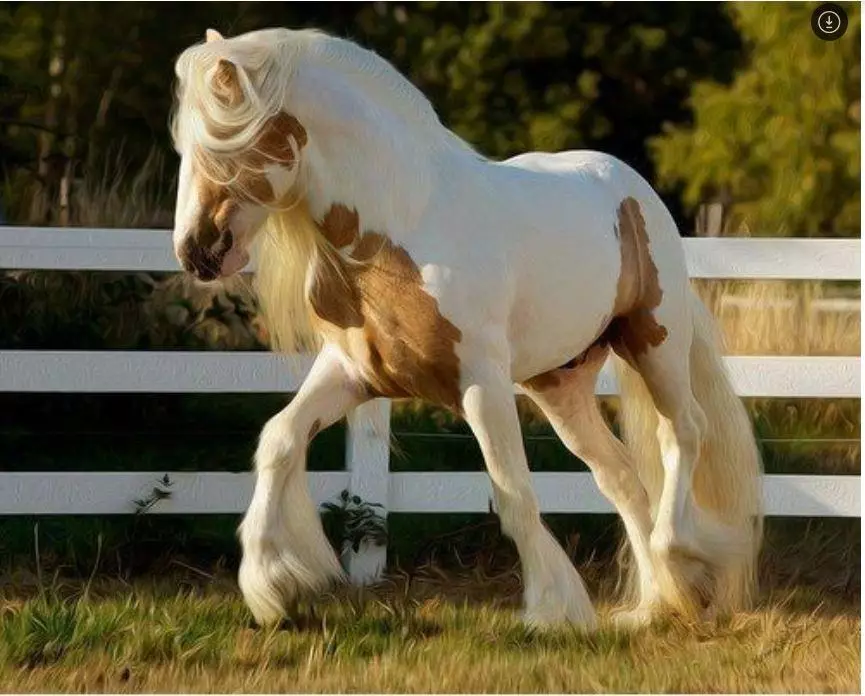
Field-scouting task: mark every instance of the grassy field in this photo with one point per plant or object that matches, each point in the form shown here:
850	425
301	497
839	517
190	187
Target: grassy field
444	632
451	624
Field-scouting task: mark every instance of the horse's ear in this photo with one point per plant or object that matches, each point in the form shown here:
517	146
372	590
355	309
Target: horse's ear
226	83
212	35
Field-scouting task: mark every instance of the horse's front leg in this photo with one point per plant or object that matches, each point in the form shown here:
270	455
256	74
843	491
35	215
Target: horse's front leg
554	591
285	550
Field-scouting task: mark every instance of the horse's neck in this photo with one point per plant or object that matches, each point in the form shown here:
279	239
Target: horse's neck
365	158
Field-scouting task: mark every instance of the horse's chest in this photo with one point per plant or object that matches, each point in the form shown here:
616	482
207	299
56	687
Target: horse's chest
386	323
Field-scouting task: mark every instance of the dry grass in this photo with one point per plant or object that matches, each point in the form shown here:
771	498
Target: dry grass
437	633
108	194
784	317
803	318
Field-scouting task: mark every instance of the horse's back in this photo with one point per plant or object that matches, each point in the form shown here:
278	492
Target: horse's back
595	177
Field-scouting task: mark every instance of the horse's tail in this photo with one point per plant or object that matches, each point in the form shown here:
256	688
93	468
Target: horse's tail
726	482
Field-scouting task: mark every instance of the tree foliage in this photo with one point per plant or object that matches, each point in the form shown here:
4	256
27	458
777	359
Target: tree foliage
511	77
774	125
782	142
507	76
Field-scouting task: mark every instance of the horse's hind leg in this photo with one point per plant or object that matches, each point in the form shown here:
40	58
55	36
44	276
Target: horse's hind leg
554	591
689	546
285	550
567	398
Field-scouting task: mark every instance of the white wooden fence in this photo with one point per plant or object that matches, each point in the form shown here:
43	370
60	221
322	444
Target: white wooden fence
367	463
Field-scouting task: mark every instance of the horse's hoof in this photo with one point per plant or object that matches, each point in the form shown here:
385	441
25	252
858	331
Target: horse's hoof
583	619
633	619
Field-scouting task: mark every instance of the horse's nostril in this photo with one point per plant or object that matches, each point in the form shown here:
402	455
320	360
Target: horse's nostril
206	274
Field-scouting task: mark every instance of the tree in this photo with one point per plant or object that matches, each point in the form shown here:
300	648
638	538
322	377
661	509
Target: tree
506	76
782	142
511	77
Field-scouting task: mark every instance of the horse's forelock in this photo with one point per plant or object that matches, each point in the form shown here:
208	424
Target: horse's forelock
204	117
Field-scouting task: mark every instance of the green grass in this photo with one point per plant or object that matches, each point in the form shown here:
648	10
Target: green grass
445	620
438	632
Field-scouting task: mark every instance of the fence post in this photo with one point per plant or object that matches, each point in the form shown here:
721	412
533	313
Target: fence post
367	457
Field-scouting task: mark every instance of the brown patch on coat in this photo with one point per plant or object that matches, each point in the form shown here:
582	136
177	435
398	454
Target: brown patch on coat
633	328
274	143
334	296
226	85
245	170
379	312
340	226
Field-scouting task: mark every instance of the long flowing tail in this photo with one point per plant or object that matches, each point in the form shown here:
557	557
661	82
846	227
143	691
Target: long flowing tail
726	482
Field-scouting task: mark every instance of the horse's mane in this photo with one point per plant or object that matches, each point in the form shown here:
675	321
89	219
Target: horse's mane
377	74
267	61
270	58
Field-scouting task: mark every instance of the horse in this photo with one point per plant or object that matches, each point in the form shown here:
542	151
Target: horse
418	268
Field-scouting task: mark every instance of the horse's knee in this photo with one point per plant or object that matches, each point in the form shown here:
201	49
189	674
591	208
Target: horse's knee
279	440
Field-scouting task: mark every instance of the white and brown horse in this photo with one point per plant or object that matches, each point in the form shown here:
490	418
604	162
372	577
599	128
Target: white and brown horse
419	268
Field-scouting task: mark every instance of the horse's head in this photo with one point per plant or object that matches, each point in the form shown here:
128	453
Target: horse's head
240	152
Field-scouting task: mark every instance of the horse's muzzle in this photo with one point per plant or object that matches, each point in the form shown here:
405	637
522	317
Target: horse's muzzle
205	262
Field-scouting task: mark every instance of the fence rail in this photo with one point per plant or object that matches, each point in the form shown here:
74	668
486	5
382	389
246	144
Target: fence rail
114	493
63	248
367	449
213	371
